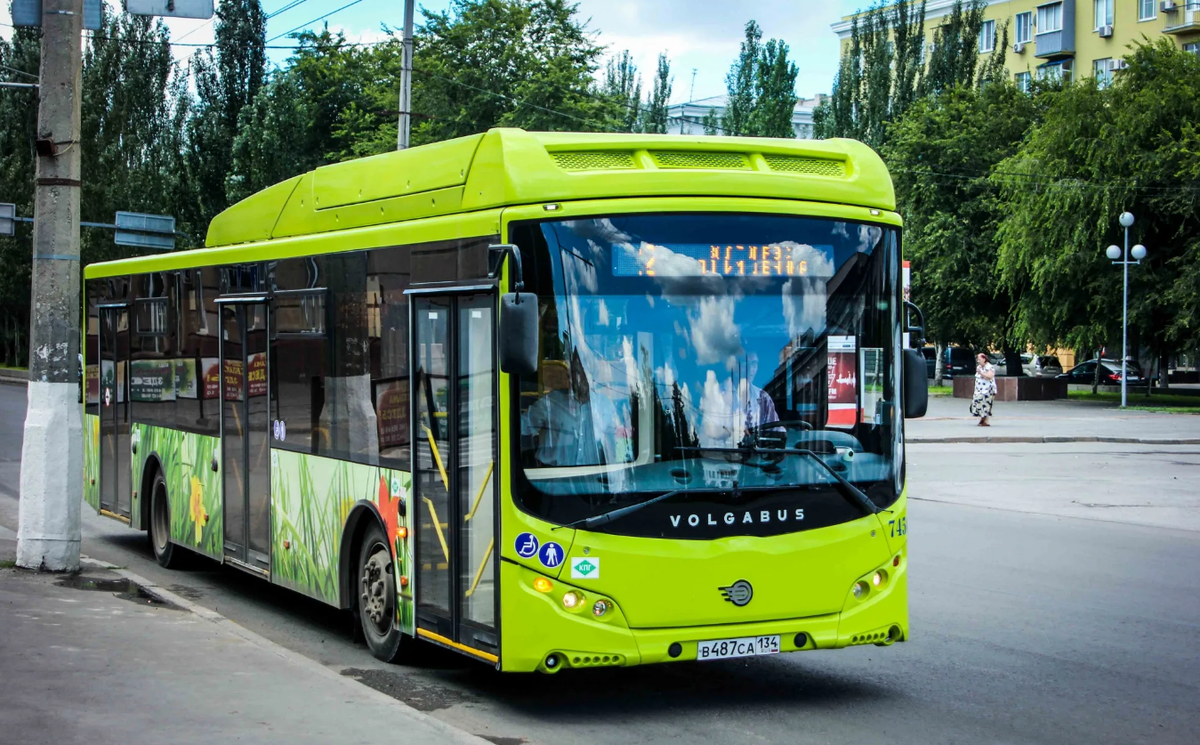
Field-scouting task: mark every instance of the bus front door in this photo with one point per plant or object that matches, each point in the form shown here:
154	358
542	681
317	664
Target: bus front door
245	435
116	494
455	471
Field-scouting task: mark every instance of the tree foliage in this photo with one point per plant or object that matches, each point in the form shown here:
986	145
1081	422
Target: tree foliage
762	89
940	154
654	117
1098	152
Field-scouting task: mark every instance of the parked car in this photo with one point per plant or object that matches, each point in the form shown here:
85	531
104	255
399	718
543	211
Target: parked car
1042	366
1110	372
959	361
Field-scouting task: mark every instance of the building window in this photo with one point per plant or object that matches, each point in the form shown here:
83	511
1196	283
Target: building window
1104	13
1024	28
1102	71
987	37
1146	10
1049	18
1054	74
1024	81
1193	48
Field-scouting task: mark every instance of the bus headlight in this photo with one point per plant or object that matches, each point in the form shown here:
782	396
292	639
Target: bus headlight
860	590
879	578
572	600
601	607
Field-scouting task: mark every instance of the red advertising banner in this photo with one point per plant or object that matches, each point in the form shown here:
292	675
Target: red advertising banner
212	377
843	381
391	414
257	379
232	375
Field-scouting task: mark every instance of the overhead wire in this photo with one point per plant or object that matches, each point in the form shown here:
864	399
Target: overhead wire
350	4
19	72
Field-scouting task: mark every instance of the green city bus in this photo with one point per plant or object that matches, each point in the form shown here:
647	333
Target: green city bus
549	400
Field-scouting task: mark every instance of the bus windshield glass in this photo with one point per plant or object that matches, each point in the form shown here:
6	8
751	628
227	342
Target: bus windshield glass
678	350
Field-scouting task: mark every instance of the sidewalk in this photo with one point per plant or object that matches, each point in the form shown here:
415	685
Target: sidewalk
91	666
1051	421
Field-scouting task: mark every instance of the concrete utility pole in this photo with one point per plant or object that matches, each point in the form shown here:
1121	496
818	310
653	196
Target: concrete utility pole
406	68
52	453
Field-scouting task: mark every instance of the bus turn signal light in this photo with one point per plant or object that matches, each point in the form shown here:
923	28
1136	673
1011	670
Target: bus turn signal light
402	532
541	584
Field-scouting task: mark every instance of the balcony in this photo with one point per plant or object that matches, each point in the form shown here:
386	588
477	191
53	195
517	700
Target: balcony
1185	22
1054	44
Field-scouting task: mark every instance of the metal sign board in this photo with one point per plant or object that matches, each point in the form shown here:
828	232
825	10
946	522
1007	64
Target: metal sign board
145	231
171	8
7	223
29	13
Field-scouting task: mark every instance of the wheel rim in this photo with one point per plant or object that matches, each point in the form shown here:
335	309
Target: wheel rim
161	519
375	591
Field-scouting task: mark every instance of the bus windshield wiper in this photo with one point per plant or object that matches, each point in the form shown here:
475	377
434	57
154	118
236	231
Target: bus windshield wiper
849	491
606	517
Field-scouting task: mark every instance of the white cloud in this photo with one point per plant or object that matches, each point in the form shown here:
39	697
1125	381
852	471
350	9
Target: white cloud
715	336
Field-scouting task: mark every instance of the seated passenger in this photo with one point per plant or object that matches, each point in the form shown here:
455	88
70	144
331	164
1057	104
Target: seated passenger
573	427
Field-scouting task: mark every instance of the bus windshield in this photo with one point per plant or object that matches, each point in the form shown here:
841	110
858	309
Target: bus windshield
677	348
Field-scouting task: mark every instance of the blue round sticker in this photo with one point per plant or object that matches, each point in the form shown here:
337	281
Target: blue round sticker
551	555
527	545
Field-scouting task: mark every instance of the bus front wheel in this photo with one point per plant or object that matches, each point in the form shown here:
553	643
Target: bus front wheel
160	524
376	597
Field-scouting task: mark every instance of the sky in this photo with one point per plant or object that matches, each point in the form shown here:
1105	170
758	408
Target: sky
698	35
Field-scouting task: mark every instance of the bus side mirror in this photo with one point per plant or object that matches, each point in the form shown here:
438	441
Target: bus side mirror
519	333
915	331
916	384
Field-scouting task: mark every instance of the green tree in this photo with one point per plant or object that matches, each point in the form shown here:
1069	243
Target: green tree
954	59
129	146
740	83
880	75
1098	152
521	63
622	87
226	81
940	154
654	115
18	130
762	88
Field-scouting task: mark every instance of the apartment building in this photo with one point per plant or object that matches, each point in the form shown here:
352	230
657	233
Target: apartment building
1067	39
688	118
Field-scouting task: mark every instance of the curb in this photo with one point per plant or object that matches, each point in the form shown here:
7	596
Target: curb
1053	439
448	732
13	377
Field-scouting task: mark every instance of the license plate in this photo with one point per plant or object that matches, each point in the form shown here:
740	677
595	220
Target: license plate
747	646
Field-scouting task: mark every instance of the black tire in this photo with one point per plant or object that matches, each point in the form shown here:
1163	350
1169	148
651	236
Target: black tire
159	531
375	597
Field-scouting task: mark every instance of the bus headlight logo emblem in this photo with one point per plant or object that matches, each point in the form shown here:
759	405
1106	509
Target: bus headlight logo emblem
739	593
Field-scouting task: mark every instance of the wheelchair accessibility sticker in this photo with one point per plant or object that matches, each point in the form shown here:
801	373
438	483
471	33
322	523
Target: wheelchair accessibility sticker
526	545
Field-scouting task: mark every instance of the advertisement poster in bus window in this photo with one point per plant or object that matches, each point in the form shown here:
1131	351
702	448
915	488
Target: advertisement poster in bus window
212	377
185	378
152	380
391	412
843	381
115	385
91	377
871	374
232	375
906	281
257	379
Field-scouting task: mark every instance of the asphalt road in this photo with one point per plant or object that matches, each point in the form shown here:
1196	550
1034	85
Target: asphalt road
1027	627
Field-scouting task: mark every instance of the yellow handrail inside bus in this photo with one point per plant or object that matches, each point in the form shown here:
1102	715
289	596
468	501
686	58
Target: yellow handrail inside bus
437	458
437	525
479	573
482	488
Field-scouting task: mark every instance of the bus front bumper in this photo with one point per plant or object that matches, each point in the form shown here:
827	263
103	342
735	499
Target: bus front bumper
546	636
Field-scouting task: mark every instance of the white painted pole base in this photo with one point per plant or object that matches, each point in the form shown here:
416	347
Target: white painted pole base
51	479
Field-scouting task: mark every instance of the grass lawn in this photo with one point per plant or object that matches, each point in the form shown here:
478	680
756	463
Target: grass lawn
10	367
1173	403
941	390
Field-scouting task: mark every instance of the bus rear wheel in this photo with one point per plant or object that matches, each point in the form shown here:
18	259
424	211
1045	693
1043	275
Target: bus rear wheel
376	597
160	524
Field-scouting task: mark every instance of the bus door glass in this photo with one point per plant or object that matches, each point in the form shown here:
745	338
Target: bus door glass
455	467
245	437
115	490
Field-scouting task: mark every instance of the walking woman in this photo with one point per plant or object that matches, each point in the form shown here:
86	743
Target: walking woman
985	389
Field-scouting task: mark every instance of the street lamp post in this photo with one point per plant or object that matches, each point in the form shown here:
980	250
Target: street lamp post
1114	253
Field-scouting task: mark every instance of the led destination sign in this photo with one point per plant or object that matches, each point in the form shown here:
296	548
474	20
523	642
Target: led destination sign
696	259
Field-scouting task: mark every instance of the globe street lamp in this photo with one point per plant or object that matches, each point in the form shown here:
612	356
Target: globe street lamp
1118	256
